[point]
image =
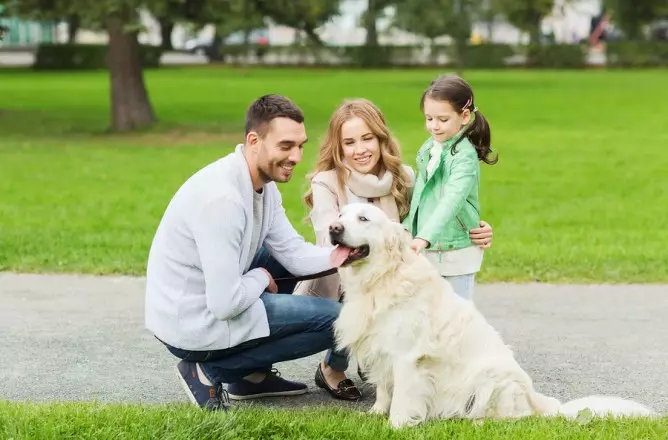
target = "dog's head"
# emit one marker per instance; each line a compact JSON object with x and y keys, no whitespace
{"x":364,"y":233}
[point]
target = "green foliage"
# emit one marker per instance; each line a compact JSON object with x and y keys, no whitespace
{"x":637,"y":54}
{"x":556,"y":56}
{"x":434,"y":18}
{"x":43,"y":9}
{"x":527,"y":15}
{"x":369,"y":18}
{"x":631,"y":15}
{"x":85,"y":56}
{"x":306,"y":15}
{"x":242,"y":15}
{"x":93,"y":13}
{"x":370,"y":56}
{"x":487,"y":55}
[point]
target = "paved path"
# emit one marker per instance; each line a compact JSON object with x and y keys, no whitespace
{"x":83,"y":338}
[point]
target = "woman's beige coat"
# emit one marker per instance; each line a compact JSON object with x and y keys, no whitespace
{"x":328,"y":199}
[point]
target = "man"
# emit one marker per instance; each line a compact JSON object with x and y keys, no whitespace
{"x":211,"y":297}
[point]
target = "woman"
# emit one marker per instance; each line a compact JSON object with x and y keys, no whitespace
{"x":359,"y":161}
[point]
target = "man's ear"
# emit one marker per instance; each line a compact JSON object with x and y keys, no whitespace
{"x":253,"y":140}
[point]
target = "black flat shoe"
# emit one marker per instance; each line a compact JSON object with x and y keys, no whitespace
{"x":345,"y":390}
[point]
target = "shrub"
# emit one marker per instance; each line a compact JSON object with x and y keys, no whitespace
{"x":488,"y":55}
{"x":636,"y":53}
{"x":556,"y":55}
{"x":85,"y":56}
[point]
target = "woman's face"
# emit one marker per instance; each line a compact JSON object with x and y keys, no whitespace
{"x":361,"y":149}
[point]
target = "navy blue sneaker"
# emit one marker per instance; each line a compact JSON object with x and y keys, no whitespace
{"x":272,"y":385}
{"x":212,"y":397}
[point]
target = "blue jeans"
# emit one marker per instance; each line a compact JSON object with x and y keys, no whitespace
{"x":299,"y":326}
{"x":462,"y":285}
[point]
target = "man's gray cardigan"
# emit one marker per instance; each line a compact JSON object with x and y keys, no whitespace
{"x":198,"y":293}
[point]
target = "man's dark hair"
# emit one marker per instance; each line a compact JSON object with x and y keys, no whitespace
{"x":261,"y":112}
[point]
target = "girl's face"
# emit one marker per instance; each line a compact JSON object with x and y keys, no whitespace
{"x":442,"y":121}
{"x":361,"y":149}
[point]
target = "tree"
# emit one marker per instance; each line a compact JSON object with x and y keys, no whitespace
{"x":166,"y":16}
{"x":244,"y":16}
{"x":436,"y":18}
{"x":57,"y":10}
{"x":632,"y":15}
{"x":305,"y":15}
{"x":130,"y":104}
{"x":488,"y":11}
{"x":370,"y":17}
{"x":527,"y":15}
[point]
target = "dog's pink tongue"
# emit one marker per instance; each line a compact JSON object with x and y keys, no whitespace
{"x":338,"y":256}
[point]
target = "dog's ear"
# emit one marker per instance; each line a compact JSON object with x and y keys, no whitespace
{"x":397,"y":240}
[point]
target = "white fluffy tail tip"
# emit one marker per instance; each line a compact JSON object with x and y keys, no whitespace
{"x":606,"y":406}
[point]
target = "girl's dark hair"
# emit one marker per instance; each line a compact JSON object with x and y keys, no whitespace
{"x":456,"y":91}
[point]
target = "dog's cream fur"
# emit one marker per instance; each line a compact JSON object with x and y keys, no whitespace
{"x":430,"y":353}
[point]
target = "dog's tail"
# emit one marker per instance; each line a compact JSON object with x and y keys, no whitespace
{"x":605,"y":406}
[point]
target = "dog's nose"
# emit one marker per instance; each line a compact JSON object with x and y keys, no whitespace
{"x":335,"y":230}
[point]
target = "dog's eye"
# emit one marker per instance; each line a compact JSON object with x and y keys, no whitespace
{"x":363,"y":219}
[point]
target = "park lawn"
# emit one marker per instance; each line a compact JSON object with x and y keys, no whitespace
{"x":579,"y":193}
{"x":20,"y":421}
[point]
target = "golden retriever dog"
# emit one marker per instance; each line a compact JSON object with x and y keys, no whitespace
{"x":430,"y":353}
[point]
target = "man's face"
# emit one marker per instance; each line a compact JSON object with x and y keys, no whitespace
{"x":280,"y":149}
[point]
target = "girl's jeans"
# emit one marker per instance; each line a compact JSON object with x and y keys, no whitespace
{"x":462,"y":285}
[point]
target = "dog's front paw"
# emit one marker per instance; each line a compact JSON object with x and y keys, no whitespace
{"x":398,"y":421}
{"x":379,"y":408}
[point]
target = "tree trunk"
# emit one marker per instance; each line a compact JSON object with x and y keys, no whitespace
{"x":370,"y":24}
{"x":462,"y":33}
{"x":166,"y":28}
{"x":534,"y":35}
{"x":312,"y":36}
{"x":73,"y":23}
{"x":247,"y":31}
{"x":535,"y":32}
{"x":130,"y":105}
{"x":490,"y":16}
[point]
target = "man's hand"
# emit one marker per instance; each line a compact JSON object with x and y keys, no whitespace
{"x":272,"y":287}
{"x":482,"y":236}
{"x":418,"y":245}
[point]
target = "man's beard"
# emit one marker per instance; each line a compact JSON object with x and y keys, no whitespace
{"x":271,"y":172}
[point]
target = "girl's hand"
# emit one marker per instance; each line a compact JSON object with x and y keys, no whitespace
{"x":418,"y":245}
{"x":482,"y":236}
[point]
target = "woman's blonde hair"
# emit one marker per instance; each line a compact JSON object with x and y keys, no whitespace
{"x":330,"y":155}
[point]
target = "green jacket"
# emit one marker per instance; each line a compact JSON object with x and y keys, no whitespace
{"x":445,"y":207}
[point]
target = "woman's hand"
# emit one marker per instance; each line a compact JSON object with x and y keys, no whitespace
{"x":418,"y":245}
{"x":482,"y":236}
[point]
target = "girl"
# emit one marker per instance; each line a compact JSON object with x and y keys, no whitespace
{"x":359,"y":161}
{"x":445,"y":204}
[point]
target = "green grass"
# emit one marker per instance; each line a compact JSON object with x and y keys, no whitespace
{"x":579,"y":193}
{"x":115,"y":421}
